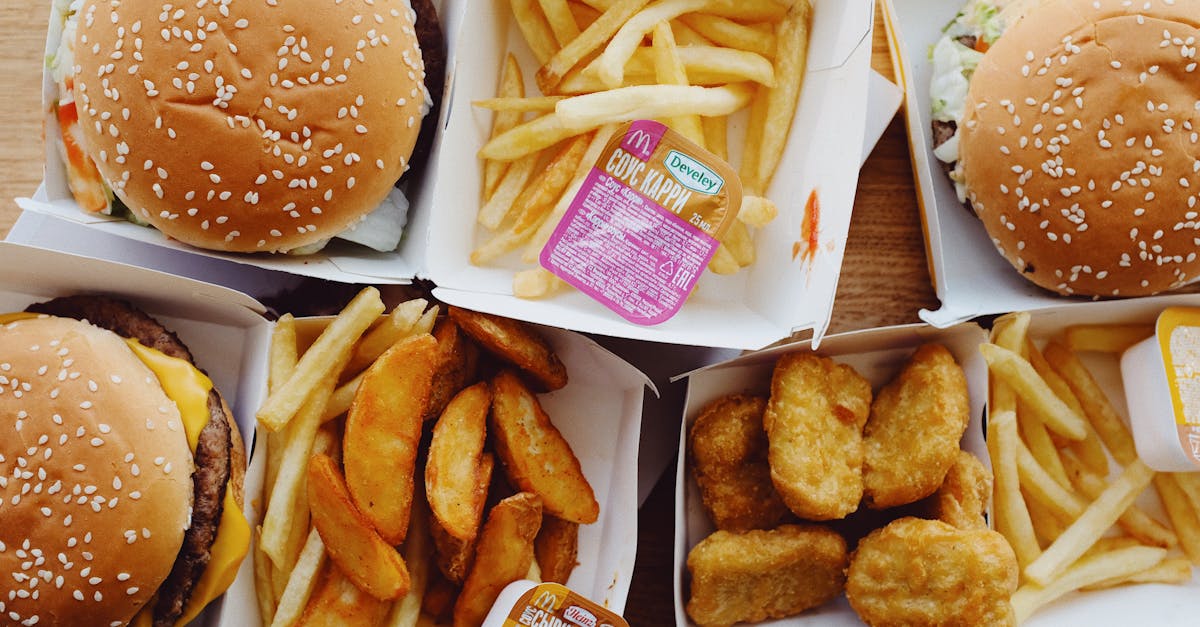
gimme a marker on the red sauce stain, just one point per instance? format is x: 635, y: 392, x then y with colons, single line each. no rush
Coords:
x: 810, y: 230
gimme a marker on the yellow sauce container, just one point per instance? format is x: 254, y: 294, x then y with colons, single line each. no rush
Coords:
x: 1162, y: 386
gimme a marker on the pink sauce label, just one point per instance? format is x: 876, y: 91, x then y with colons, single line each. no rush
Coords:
x: 645, y: 223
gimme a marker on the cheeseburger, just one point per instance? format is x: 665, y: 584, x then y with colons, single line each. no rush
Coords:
x: 1072, y: 129
x: 247, y: 125
x: 121, y: 471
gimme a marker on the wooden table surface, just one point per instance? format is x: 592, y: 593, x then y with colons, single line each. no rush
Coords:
x: 884, y: 278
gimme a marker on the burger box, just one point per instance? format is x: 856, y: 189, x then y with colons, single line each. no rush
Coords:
x: 878, y: 354
x: 970, y: 277
x: 599, y: 411
x: 764, y: 303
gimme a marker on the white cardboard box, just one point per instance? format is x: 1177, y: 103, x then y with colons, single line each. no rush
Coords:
x: 599, y: 411
x: 877, y: 355
x: 756, y: 307
x: 970, y: 277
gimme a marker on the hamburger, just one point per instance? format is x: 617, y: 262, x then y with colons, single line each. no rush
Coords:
x: 121, y: 471
x: 1071, y: 129
x: 247, y: 126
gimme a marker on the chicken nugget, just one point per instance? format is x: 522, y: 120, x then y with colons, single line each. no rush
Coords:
x: 913, y: 434
x: 763, y: 574
x: 926, y: 572
x: 962, y: 499
x: 729, y: 462
x: 814, y: 423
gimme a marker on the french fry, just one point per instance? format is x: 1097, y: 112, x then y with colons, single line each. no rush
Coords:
x: 319, y: 360
x: 280, y: 518
x: 535, y: 28
x: 393, y: 328
x: 536, y: 104
x: 1105, y: 338
x: 1040, y: 485
x: 301, y: 582
x: 1009, y: 510
x: 455, y: 554
x: 516, y: 343
x: 503, y: 555
x: 740, y: 243
x: 1020, y: 375
x: 352, y: 543
x: 553, y: 70
x: 716, y: 138
x: 1037, y: 438
x: 264, y: 586
x: 749, y: 170
x: 1047, y: 524
x: 1098, y: 410
x: 746, y: 10
x: 1009, y: 331
x: 1091, y: 524
x: 668, y: 70
x: 1087, y: 571
x: 535, y: 283
x: 562, y: 23
x: 1135, y: 521
x: 1183, y: 517
x: 281, y: 361
x: 536, y: 201
x: 757, y: 211
x: 534, y: 249
x: 383, y: 430
x: 1090, y: 450
x: 610, y: 65
x: 457, y: 361
x: 493, y: 212
x: 791, y: 59
x: 453, y: 467
x: 338, y: 602
x: 731, y: 34
x: 535, y: 456
x: 723, y: 262
x: 556, y: 548
x: 588, y: 111
x: 512, y: 86
x: 687, y: 36
x: 705, y: 65
x: 584, y: 15
x: 406, y: 611
x: 1172, y: 570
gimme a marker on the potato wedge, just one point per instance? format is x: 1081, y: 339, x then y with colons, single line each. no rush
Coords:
x: 516, y: 343
x: 357, y: 549
x: 383, y: 429
x: 503, y: 555
x: 452, y: 471
x: 535, y: 456
x: 455, y: 555
x: 556, y: 548
x: 457, y: 363
x: 337, y: 602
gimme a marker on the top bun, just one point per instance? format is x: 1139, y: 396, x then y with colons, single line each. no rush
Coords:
x: 249, y: 126
x: 1080, y: 145
x: 97, y: 476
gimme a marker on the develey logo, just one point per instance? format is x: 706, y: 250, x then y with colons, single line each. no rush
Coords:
x: 692, y: 174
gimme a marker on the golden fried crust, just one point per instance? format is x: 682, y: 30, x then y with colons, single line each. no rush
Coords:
x: 759, y: 575
x: 963, y: 496
x: 814, y: 423
x: 729, y: 462
x: 926, y: 572
x: 916, y: 423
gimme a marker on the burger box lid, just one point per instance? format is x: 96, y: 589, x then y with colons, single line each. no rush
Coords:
x: 759, y: 305
x: 970, y: 277
x: 878, y: 355
x: 227, y: 332
x: 838, y: 98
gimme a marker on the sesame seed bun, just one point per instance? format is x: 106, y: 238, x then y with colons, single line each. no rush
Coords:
x: 249, y: 126
x: 97, y: 485
x: 1080, y: 150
